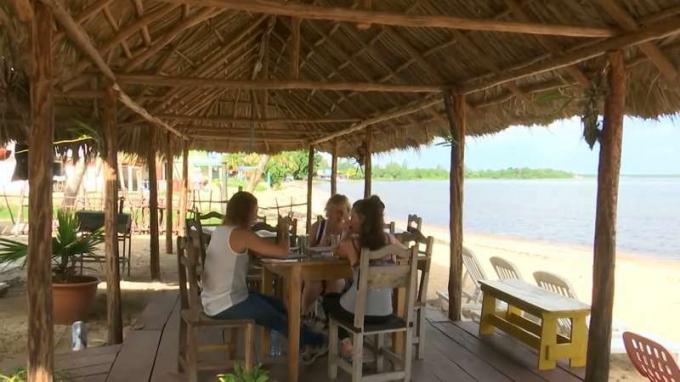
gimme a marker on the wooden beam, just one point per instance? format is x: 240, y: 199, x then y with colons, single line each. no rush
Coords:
x: 261, y: 121
x: 23, y: 10
x: 334, y: 168
x: 660, y: 30
x: 455, y: 112
x: 295, y: 48
x: 113, y: 300
x: 169, y: 212
x: 154, y: 260
x: 80, y: 38
x: 625, y: 21
x: 368, y: 163
x: 184, y: 190
x: 39, y: 257
x: 360, y: 16
x: 310, y: 178
x: 198, y: 82
x: 397, y: 112
x: 87, y: 13
x: 139, y: 8
x: 366, y: 5
x: 599, y: 337
x: 114, y: 25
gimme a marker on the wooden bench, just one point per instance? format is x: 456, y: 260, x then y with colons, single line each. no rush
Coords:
x: 547, y: 306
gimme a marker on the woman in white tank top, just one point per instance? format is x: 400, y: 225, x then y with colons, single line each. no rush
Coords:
x: 225, y: 294
x: 366, y: 227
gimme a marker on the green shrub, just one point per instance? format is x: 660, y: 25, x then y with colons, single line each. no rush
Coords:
x: 240, y: 374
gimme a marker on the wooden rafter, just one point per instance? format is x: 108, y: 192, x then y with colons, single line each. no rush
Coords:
x: 139, y: 8
x: 358, y: 16
x: 657, y: 31
x: 114, y: 24
x: 143, y: 79
x: 295, y: 48
x: 87, y: 13
x: 625, y: 21
x: 23, y: 10
x: 84, y: 43
x: 170, y: 35
x: 264, y: 121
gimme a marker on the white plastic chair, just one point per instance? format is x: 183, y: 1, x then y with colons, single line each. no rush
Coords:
x: 505, y: 269
x: 473, y: 271
x: 556, y: 284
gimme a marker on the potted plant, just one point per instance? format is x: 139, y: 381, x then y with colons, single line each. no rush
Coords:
x: 72, y: 293
x: 240, y: 374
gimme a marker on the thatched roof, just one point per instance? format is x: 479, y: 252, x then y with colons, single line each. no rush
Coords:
x: 191, y: 64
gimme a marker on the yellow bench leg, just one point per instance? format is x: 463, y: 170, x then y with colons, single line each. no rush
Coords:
x: 579, y: 340
x: 488, y: 309
x: 548, y: 341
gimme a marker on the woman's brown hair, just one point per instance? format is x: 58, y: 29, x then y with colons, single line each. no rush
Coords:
x: 239, y: 208
x: 371, y: 210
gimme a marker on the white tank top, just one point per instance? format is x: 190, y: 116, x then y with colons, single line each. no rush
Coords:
x: 224, y: 273
x: 378, y: 301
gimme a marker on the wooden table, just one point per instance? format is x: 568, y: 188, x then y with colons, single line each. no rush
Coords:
x: 546, y: 305
x: 293, y: 274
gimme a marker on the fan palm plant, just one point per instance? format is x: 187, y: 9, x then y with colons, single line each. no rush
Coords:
x: 65, y: 246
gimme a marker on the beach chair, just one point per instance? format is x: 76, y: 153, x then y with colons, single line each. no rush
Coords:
x: 556, y: 284
x: 505, y: 269
x: 414, y: 221
x: 473, y: 271
x: 193, y: 319
x: 401, y: 275
x: 651, y: 359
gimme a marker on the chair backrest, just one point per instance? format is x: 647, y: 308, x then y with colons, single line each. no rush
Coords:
x: 651, y: 359
x: 424, y: 262
x: 204, y: 218
x: 414, y: 221
x: 194, y: 230
x: 505, y: 269
x: 554, y: 283
x: 401, y: 274
x: 189, y: 269
x: 474, y: 269
x: 390, y: 227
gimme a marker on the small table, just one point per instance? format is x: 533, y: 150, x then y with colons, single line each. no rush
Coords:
x: 293, y: 274
x: 546, y: 305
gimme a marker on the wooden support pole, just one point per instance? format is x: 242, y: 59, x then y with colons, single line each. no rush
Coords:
x: 599, y: 337
x: 455, y: 111
x: 169, y: 212
x: 113, y: 303
x: 368, y: 163
x: 184, y: 190
x: 295, y: 48
x: 154, y: 260
x: 310, y: 178
x: 39, y: 259
x: 334, y: 168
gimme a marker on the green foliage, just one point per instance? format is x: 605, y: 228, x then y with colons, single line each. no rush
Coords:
x: 395, y: 171
x: 240, y: 374
x: 67, y: 244
x: 519, y: 173
x: 290, y: 163
x: 18, y: 375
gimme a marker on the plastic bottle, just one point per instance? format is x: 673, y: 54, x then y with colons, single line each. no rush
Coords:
x: 275, y: 343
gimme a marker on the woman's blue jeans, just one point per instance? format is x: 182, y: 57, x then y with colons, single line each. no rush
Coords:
x: 269, y: 312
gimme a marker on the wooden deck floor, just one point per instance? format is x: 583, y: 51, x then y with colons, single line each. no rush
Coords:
x: 454, y: 353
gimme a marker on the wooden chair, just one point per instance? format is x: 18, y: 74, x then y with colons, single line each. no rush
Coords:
x: 390, y: 227
x: 403, y: 274
x: 473, y: 271
x: 651, y: 359
x: 424, y: 262
x: 414, y: 221
x: 505, y: 269
x: 193, y: 318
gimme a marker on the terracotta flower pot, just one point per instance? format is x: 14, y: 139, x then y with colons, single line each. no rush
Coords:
x: 72, y: 301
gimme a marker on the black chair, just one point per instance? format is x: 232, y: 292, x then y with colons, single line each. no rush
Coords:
x: 91, y: 221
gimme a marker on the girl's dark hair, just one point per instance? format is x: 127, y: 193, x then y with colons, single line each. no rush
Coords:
x: 239, y: 208
x: 372, y: 235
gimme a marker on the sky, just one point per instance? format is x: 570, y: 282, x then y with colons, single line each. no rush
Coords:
x: 649, y: 148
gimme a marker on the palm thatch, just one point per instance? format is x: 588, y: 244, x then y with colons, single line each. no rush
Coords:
x: 147, y: 42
